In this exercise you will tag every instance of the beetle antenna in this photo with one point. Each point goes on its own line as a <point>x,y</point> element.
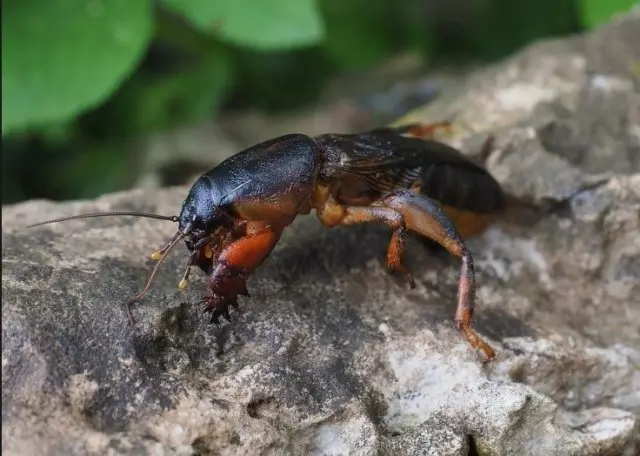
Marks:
<point>165,251</point>
<point>172,218</point>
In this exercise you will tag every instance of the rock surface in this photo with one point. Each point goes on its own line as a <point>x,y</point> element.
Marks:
<point>334,356</point>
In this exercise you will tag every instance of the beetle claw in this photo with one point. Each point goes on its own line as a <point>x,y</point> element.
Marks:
<point>410,280</point>
<point>216,312</point>
<point>222,311</point>
<point>210,303</point>
<point>242,287</point>
<point>219,307</point>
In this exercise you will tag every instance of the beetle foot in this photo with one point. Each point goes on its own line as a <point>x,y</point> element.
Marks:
<point>225,291</point>
<point>407,275</point>
<point>226,285</point>
<point>409,278</point>
<point>219,307</point>
<point>397,267</point>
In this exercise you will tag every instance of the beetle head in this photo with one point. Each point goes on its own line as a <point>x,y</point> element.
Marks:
<point>201,215</point>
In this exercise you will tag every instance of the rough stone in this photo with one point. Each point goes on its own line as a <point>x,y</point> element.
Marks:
<point>334,356</point>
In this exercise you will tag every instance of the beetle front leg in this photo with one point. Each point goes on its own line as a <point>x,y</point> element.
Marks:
<point>236,261</point>
<point>427,218</point>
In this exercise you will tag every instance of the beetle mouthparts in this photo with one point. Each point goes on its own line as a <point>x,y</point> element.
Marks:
<point>161,255</point>
<point>184,281</point>
<point>157,255</point>
<point>186,230</point>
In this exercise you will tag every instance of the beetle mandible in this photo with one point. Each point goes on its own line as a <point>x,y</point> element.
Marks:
<point>234,215</point>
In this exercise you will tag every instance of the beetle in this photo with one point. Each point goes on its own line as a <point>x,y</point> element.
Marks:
<point>235,214</point>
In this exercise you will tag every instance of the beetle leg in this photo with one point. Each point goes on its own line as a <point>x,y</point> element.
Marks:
<point>331,214</point>
<point>394,219</point>
<point>426,130</point>
<point>424,216</point>
<point>235,262</point>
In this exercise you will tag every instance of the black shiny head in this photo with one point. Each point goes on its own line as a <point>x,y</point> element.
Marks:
<point>201,215</point>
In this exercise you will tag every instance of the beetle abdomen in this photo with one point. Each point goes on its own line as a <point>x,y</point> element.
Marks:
<point>464,188</point>
<point>469,196</point>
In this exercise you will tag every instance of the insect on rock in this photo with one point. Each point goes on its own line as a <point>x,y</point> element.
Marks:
<point>235,214</point>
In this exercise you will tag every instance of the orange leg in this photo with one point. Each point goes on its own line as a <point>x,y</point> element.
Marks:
<point>235,262</point>
<point>403,210</point>
<point>357,214</point>
<point>427,218</point>
<point>332,214</point>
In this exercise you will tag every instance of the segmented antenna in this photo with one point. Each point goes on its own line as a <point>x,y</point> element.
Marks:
<point>171,218</point>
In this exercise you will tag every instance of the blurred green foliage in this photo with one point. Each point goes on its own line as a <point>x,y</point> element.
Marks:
<point>82,79</point>
<point>258,24</point>
<point>596,12</point>
<point>60,58</point>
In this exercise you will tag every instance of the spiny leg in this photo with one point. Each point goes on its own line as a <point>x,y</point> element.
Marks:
<point>236,261</point>
<point>351,215</point>
<point>424,216</point>
<point>226,285</point>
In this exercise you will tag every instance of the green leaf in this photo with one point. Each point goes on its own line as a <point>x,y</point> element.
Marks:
<point>258,24</point>
<point>62,57</point>
<point>596,12</point>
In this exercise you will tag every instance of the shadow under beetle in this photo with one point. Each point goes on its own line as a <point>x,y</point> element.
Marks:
<point>235,214</point>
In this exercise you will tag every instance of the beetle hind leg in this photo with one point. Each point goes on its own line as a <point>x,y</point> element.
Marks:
<point>402,210</point>
<point>427,218</point>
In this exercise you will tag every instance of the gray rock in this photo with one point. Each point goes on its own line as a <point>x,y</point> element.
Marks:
<point>334,356</point>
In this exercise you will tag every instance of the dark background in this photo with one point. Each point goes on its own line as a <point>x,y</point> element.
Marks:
<point>86,82</point>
